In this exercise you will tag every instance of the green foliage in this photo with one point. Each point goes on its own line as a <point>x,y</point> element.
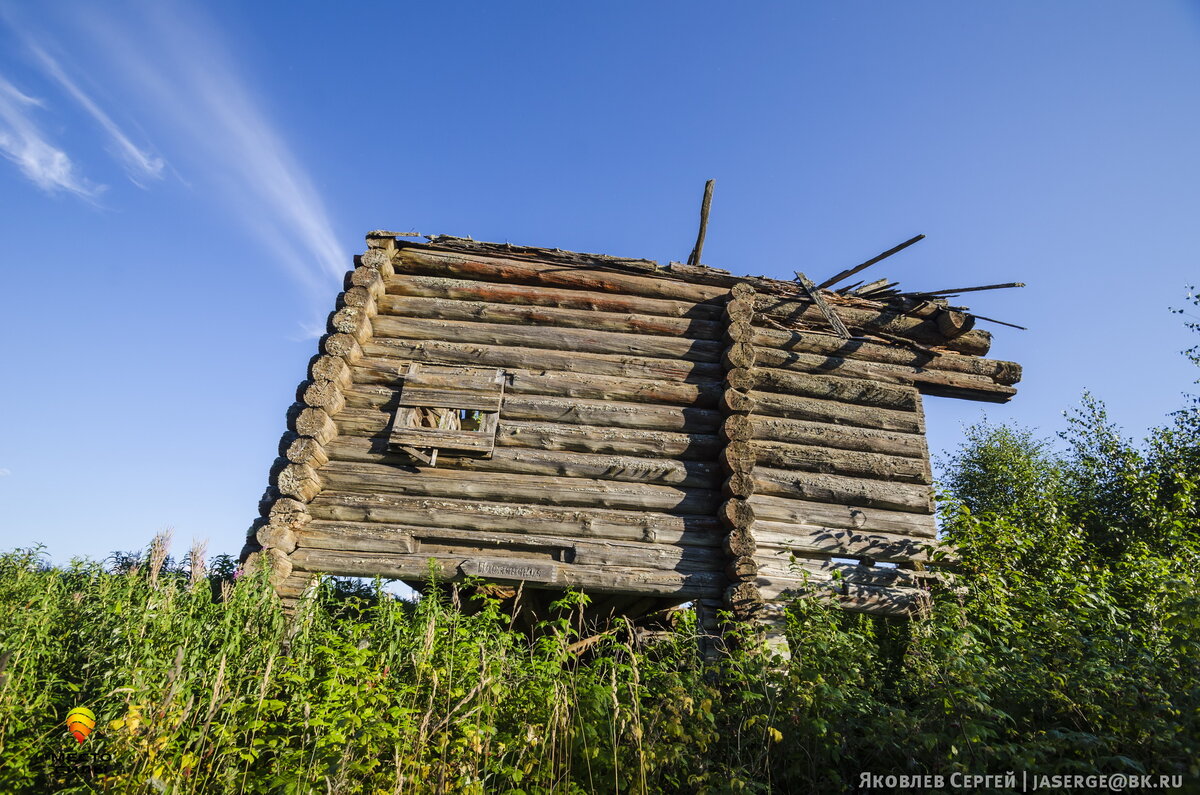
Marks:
<point>1065,639</point>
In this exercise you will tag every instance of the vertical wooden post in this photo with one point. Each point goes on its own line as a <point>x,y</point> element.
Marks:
<point>698,249</point>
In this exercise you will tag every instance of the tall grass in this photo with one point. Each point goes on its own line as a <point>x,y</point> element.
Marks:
<point>362,693</point>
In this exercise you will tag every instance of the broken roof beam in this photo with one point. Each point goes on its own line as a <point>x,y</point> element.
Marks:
<point>851,271</point>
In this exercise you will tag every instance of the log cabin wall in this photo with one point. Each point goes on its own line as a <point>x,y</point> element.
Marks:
<point>664,434</point>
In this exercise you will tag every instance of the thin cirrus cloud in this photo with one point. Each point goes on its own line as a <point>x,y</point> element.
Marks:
<point>23,142</point>
<point>176,64</point>
<point>139,164</point>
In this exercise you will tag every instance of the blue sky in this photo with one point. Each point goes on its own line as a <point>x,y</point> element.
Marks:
<point>183,184</point>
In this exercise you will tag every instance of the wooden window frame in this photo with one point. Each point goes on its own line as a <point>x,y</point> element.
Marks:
<point>447,387</point>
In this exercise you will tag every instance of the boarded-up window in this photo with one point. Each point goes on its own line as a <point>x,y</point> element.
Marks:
<point>451,410</point>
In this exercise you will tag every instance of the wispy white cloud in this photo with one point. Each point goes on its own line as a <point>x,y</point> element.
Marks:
<point>179,65</point>
<point>5,471</point>
<point>139,164</point>
<point>22,142</point>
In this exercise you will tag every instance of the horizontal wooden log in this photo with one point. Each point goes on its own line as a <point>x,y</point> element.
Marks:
<point>500,487</point>
<point>829,345</point>
<point>361,298</point>
<point>878,601</point>
<point>497,293</point>
<point>299,481</point>
<point>825,387</point>
<point>736,514</point>
<point>649,527</point>
<point>742,568</point>
<point>380,258</point>
<point>369,279</point>
<point>551,274</point>
<point>702,394</point>
<point>424,541</point>
<point>343,345</point>
<point>325,395</point>
<point>306,450</point>
<point>609,414</point>
<point>556,436</point>
<point>842,490</point>
<point>854,463</point>
<point>608,441</point>
<point>351,320</point>
<point>828,411</point>
<point>333,369</point>
<point>739,355</point>
<point>927,381</point>
<point>926,331</point>
<point>854,517</point>
<point>485,312</point>
<point>785,567</point>
<point>820,541</point>
<point>819,434</point>
<point>289,511</point>
<point>314,422</point>
<point>277,536</point>
<point>551,463</point>
<point>548,337</point>
<point>598,579</point>
<point>435,351</point>
<point>741,543</point>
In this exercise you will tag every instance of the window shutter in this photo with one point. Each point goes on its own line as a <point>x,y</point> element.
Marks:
<point>433,399</point>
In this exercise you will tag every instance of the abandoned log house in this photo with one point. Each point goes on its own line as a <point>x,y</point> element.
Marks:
<point>652,435</point>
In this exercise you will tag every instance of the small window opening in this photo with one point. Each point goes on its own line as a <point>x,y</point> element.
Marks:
<point>447,410</point>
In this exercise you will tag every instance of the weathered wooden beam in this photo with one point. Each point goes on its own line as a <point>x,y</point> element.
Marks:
<point>705,206</point>
<point>846,274</point>
<point>485,516</point>
<point>549,337</point>
<point>842,490</point>
<point>853,463</point>
<point>514,271</point>
<point>930,330</point>
<point>501,487</point>
<point>421,541</point>
<point>928,381</point>
<point>824,387</point>
<point>525,315</point>
<point>829,411</point>
<point>537,295</point>
<point>828,345</point>
<point>550,463</point>
<point>815,540</point>
<point>763,507</point>
<point>701,394</point>
<point>437,351</point>
<point>599,579</point>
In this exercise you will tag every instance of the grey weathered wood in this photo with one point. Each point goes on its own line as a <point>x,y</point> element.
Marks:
<point>497,269</point>
<point>966,386</point>
<point>828,411</point>
<point>421,541</point>
<point>771,508</point>
<point>549,337</point>
<point>830,316</point>
<point>855,463</point>
<point>846,274</point>
<point>1002,373</point>
<point>437,351</point>
<point>816,540</point>
<point>840,489</point>
<point>488,516</point>
<point>705,206</point>
<point>551,463</point>
<point>599,579</point>
<point>540,490</point>
<point>827,387</point>
<point>701,394</point>
<point>497,293</point>
<point>525,315</point>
